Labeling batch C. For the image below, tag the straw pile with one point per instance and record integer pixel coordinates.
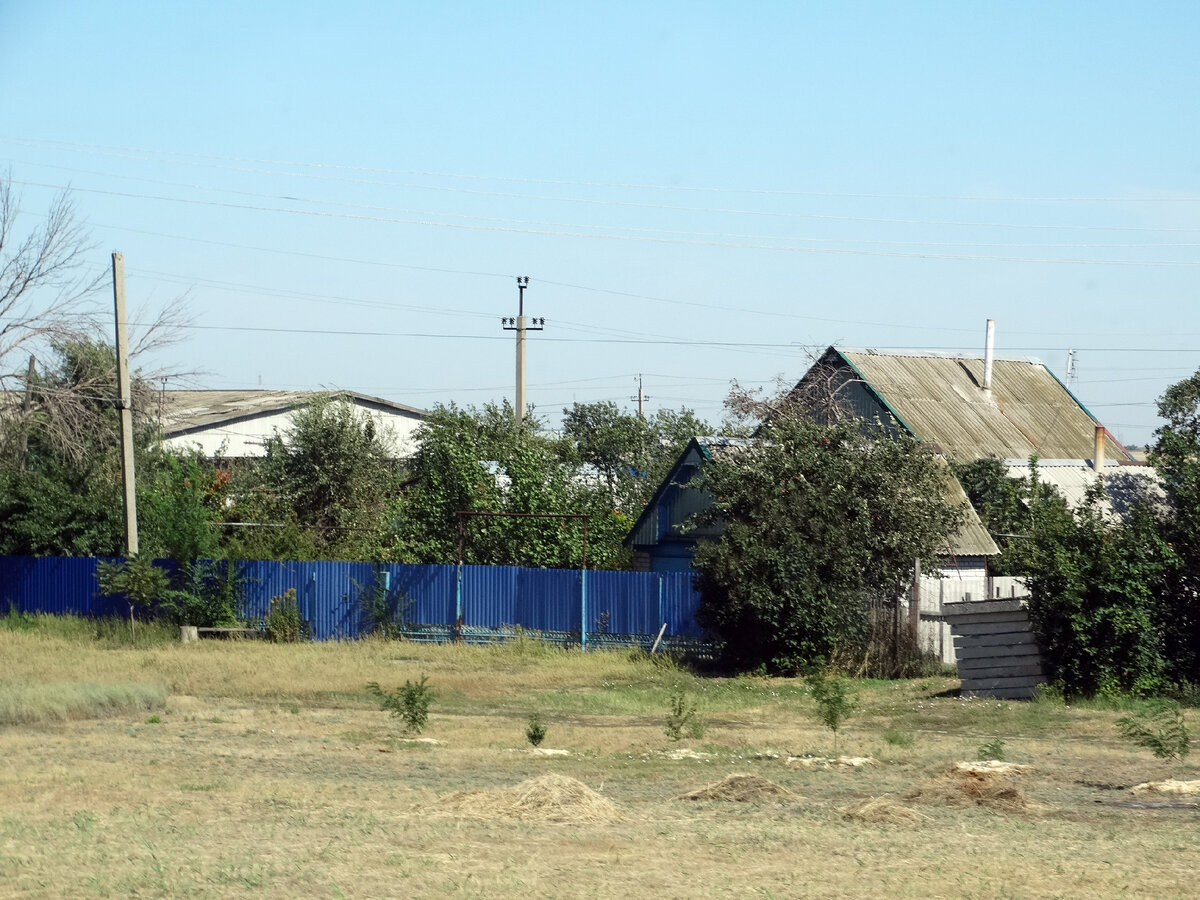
(966, 787)
(741, 789)
(548, 798)
(882, 811)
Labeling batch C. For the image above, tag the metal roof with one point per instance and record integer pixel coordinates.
(186, 411)
(1123, 485)
(681, 502)
(940, 399)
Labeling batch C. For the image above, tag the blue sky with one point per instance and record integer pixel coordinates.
(699, 192)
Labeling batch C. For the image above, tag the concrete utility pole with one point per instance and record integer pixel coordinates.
(641, 398)
(125, 405)
(520, 325)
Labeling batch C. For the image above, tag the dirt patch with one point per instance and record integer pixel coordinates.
(741, 789)
(548, 798)
(967, 787)
(883, 811)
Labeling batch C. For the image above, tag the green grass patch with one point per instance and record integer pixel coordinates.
(31, 704)
(107, 631)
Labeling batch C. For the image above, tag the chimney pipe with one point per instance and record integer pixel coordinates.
(988, 353)
(1098, 450)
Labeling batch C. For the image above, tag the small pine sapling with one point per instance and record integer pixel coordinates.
(409, 703)
(535, 733)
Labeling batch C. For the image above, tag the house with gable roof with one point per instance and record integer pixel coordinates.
(237, 424)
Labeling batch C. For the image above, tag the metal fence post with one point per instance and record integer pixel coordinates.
(583, 609)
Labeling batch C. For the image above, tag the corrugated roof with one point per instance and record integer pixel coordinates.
(1123, 485)
(940, 398)
(972, 538)
(184, 411)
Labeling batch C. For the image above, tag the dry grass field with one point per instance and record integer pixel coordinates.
(226, 769)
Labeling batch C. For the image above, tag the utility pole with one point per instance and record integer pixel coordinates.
(1070, 366)
(641, 398)
(125, 406)
(520, 325)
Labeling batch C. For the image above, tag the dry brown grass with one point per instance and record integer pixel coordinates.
(741, 788)
(883, 811)
(272, 774)
(963, 787)
(547, 798)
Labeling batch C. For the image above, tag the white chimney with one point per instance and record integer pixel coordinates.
(989, 349)
(1098, 450)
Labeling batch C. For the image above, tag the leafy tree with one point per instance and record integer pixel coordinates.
(1096, 596)
(817, 521)
(137, 579)
(631, 454)
(481, 460)
(330, 480)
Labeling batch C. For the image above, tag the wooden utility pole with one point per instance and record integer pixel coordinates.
(125, 406)
(520, 325)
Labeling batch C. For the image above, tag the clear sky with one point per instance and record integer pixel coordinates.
(698, 191)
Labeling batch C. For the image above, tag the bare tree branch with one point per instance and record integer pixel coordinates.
(47, 288)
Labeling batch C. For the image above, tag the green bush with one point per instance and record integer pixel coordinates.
(410, 703)
(283, 622)
(833, 702)
(1160, 728)
(535, 733)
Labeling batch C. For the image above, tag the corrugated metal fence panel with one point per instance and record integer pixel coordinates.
(549, 599)
(489, 596)
(679, 602)
(622, 602)
(427, 593)
(328, 595)
(55, 584)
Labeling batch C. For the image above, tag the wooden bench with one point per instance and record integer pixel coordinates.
(230, 634)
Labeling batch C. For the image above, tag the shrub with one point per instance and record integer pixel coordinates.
(681, 715)
(409, 703)
(993, 749)
(535, 733)
(283, 623)
(1159, 728)
(833, 702)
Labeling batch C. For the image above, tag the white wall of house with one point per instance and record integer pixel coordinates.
(248, 437)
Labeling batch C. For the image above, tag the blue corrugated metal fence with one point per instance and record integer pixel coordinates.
(592, 607)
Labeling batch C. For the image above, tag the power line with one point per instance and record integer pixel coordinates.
(627, 238)
(183, 157)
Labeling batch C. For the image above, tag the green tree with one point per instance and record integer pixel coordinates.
(1096, 596)
(326, 487)
(1176, 456)
(817, 521)
(481, 460)
(632, 455)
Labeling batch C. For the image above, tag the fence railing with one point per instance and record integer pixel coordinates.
(434, 602)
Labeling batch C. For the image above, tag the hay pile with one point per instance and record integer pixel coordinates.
(882, 811)
(978, 787)
(548, 798)
(1170, 786)
(741, 789)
